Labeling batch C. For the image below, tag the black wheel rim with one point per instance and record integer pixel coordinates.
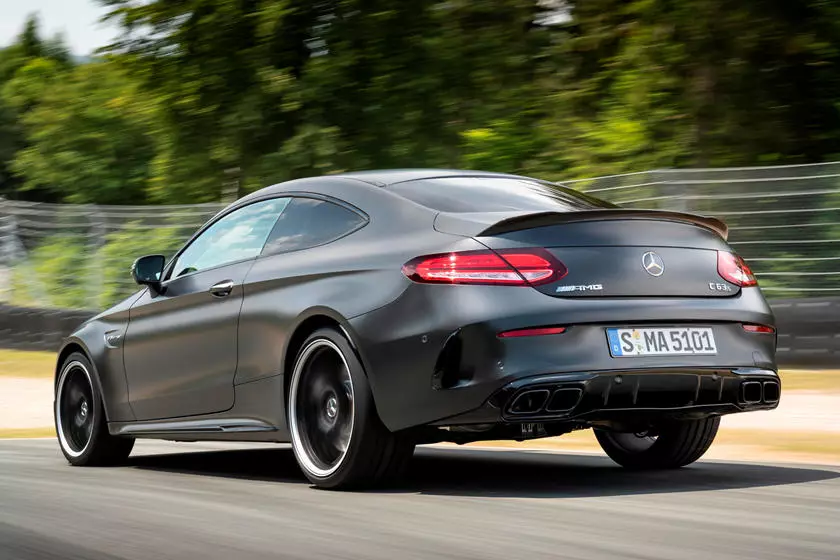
(75, 408)
(323, 408)
(638, 442)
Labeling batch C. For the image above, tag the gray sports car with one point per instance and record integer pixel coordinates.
(359, 315)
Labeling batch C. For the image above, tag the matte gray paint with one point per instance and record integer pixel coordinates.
(180, 364)
(181, 346)
(400, 364)
(260, 402)
(107, 362)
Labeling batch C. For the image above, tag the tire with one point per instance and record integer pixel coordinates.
(80, 423)
(677, 444)
(337, 436)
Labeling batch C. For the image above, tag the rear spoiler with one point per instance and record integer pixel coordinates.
(477, 224)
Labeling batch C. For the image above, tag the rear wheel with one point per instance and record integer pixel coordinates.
(671, 445)
(80, 422)
(338, 439)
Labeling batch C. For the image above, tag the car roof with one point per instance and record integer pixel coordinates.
(386, 177)
(341, 182)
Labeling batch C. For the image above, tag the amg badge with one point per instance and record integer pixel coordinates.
(585, 288)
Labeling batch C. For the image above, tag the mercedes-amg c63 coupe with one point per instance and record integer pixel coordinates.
(356, 316)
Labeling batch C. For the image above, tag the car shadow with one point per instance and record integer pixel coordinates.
(500, 473)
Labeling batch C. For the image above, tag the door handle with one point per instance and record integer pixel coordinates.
(222, 289)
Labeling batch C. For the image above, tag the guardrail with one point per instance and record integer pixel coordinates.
(27, 328)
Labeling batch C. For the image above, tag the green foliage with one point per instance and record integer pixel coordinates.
(112, 261)
(283, 89)
(697, 83)
(89, 137)
(64, 272)
(28, 68)
(30, 38)
(198, 94)
(54, 274)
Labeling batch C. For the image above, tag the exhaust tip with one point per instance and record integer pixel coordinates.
(529, 402)
(751, 392)
(564, 400)
(772, 392)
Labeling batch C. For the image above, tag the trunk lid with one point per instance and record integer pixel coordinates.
(612, 253)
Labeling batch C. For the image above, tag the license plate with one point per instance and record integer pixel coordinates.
(677, 341)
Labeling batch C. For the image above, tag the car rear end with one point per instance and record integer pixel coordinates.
(585, 316)
(688, 331)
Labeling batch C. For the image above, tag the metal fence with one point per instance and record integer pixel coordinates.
(785, 220)
(78, 256)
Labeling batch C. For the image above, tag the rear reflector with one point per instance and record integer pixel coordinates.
(763, 329)
(540, 331)
(511, 267)
(732, 268)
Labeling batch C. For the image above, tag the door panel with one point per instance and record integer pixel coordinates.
(181, 346)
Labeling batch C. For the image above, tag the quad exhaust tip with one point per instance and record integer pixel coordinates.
(564, 400)
(760, 392)
(529, 402)
(557, 401)
(751, 392)
(770, 392)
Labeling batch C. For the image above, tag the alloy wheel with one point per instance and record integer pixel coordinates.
(74, 408)
(321, 408)
(637, 442)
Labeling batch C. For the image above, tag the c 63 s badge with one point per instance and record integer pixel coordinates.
(718, 287)
(581, 288)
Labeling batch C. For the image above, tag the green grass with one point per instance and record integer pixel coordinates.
(19, 363)
(7, 433)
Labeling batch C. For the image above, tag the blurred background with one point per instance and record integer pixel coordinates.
(125, 124)
(123, 135)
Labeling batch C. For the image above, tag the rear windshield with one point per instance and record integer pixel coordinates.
(494, 194)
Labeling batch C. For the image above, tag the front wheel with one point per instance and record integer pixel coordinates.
(80, 422)
(337, 436)
(670, 445)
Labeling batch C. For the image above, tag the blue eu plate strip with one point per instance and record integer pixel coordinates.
(615, 344)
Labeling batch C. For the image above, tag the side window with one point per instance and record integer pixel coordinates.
(239, 235)
(308, 222)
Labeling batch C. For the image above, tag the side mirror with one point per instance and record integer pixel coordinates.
(148, 271)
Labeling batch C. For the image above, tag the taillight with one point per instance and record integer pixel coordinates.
(732, 268)
(509, 267)
(761, 329)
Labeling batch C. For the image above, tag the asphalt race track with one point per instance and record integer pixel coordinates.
(194, 501)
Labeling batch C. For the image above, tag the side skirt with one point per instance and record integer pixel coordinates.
(258, 414)
(210, 429)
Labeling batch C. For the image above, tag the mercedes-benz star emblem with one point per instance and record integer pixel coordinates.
(653, 264)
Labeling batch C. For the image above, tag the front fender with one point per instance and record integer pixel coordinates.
(107, 360)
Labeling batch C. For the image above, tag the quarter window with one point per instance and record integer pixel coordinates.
(309, 222)
(238, 236)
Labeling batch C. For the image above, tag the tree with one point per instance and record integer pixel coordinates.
(696, 83)
(90, 138)
(30, 38)
(285, 88)
(27, 68)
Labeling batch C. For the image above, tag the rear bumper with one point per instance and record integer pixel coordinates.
(628, 397)
(434, 353)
